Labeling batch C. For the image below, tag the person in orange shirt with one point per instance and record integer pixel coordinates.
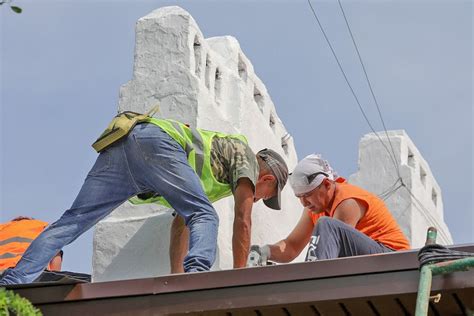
(338, 220)
(16, 236)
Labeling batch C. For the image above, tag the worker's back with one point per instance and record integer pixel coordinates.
(15, 238)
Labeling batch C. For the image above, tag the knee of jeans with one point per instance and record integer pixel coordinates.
(211, 213)
(210, 216)
(214, 217)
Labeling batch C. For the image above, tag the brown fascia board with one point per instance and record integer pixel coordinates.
(344, 278)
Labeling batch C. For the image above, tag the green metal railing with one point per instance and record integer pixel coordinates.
(430, 270)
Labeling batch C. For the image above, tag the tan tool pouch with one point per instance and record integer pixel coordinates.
(120, 126)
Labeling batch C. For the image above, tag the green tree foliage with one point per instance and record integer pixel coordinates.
(14, 8)
(15, 304)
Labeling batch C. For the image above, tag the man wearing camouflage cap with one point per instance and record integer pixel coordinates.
(187, 169)
(234, 163)
(338, 220)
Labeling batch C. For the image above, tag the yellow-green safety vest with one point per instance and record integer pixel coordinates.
(197, 144)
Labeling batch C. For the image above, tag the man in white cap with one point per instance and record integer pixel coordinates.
(338, 220)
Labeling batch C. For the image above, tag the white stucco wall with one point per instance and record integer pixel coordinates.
(414, 211)
(211, 84)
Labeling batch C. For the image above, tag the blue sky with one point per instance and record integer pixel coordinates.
(62, 63)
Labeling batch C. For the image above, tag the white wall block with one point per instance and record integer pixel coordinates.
(416, 206)
(211, 84)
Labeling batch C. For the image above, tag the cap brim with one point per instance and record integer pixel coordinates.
(275, 201)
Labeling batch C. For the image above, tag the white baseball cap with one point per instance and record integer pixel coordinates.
(309, 173)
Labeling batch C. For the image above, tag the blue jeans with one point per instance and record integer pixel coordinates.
(148, 159)
(333, 238)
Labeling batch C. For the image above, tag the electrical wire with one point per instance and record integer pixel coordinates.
(369, 83)
(389, 188)
(382, 120)
(424, 211)
(385, 197)
(350, 86)
(394, 187)
(393, 158)
(416, 203)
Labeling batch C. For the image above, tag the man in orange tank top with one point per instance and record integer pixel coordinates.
(338, 220)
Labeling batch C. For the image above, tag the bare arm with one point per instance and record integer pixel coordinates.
(350, 211)
(243, 197)
(179, 238)
(289, 248)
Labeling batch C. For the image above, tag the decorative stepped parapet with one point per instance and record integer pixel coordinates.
(419, 203)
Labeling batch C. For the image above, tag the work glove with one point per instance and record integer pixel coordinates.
(258, 256)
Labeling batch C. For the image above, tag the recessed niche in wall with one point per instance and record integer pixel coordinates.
(271, 121)
(217, 83)
(242, 69)
(284, 143)
(423, 176)
(434, 197)
(258, 97)
(411, 159)
(208, 73)
(197, 56)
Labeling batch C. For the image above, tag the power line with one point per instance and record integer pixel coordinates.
(393, 155)
(389, 189)
(423, 210)
(368, 81)
(420, 204)
(391, 192)
(350, 86)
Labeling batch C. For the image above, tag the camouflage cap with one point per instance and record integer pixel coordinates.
(279, 169)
